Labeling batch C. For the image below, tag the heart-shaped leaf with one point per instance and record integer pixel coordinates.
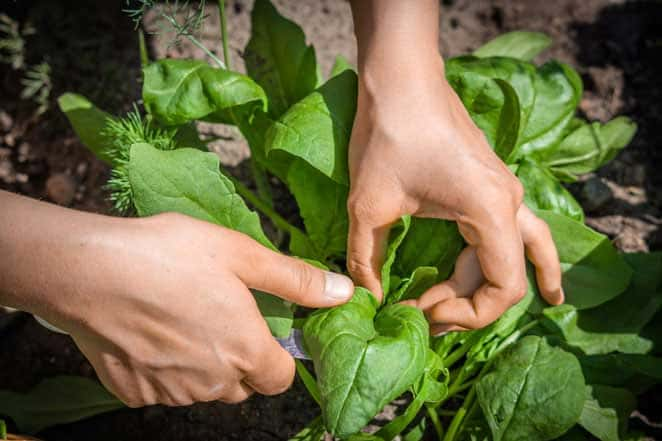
(364, 358)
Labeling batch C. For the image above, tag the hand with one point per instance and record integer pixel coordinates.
(160, 306)
(415, 150)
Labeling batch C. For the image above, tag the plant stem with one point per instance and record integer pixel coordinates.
(193, 40)
(459, 416)
(263, 207)
(224, 32)
(434, 417)
(144, 56)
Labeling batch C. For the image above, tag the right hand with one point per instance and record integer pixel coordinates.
(162, 309)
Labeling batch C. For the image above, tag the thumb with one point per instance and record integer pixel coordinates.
(292, 279)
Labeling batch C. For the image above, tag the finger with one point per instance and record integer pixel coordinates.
(290, 278)
(365, 253)
(541, 251)
(440, 330)
(499, 250)
(465, 280)
(272, 368)
(236, 394)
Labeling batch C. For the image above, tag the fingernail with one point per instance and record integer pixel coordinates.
(440, 334)
(562, 296)
(337, 286)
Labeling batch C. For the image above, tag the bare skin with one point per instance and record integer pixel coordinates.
(160, 305)
(415, 150)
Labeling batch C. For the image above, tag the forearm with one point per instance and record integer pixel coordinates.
(47, 253)
(395, 34)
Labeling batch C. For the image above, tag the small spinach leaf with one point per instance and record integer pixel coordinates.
(278, 314)
(593, 272)
(88, 122)
(588, 147)
(606, 410)
(543, 192)
(57, 400)
(517, 44)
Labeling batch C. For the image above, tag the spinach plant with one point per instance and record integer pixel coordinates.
(537, 373)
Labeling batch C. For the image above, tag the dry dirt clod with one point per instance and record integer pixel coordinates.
(595, 194)
(6, 121)
(61, 189)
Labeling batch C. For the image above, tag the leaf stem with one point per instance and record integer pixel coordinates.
(144, 56)
(263, 207)
(434, 417)
(224, 32)
(456, 422)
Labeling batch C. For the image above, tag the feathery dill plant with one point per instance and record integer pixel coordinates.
(174, 16)
(124, 132)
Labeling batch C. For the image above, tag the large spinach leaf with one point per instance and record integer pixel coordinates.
(190, 182)
(179, 91)
(364, 358)
(317, 128)
(534, 392)
(278, 59)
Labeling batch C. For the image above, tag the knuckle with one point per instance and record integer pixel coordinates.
(361, 207)
(517, 289)
(304, 276)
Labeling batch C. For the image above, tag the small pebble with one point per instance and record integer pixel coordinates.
(61, 189)
(595, 194)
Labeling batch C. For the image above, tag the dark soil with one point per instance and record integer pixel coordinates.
(92, 49)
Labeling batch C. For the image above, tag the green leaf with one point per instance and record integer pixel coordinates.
(533, 392)
(340, 65)
(632, 310)
(3, 429)
(308, 381)
(427, 390)
(87, 121)
(314, 431)
(558, 89)
(634, 371)
(179, 91)
(593, 272)
(588, 146)
(323, 206)
(189, 182)
(57, 400)
(509, 121)
(429, 242)
(364, 358)
(422, 279)
(278, 58)
(564, 319)
(542, 191)
(317, 128)
(606, 411)
(396, 236)
(517, 44)
(548, 97)
(278, 314)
